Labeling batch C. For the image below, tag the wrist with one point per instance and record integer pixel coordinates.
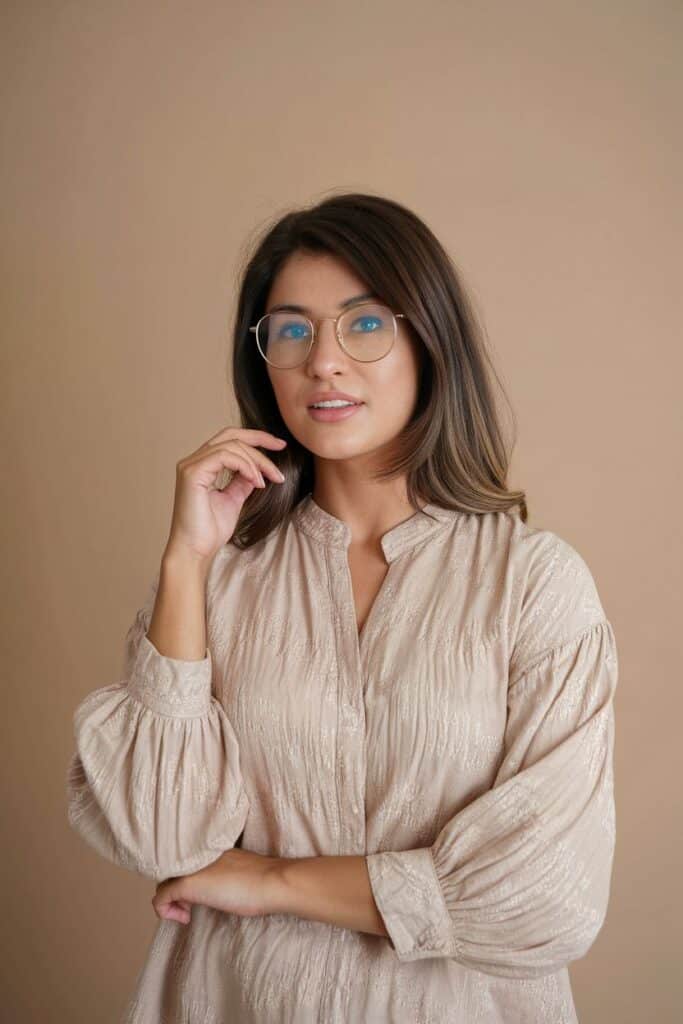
(182, 561)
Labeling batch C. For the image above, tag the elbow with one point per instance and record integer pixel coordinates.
(89, 821)
(169, 852)
(537, 955)
(546, 927)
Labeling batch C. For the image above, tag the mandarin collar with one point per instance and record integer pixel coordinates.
(315, 521)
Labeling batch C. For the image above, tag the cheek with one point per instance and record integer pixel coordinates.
(395, 386)
(287, 396)
(395, 399)
(283, 391)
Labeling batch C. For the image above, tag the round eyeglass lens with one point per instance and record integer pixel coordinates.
(367, 331)
(284, 338)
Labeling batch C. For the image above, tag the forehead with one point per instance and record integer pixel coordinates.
(316, 281)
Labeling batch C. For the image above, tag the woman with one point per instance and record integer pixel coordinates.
(364, 737)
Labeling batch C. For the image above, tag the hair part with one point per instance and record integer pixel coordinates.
(453, 451)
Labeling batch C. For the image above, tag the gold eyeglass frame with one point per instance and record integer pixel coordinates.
(337, 332)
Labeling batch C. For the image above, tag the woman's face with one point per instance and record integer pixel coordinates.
(387, 387)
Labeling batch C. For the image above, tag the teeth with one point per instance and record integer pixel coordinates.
(333, 403)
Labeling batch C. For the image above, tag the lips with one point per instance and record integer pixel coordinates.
(331, 396)
(334, 414)
(314, 405)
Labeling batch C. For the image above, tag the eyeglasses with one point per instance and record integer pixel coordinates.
(366, 332)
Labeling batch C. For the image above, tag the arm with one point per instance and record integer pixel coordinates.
(497, 890)
(517, 883)
(154, 784)
(177, 627)
(334, 890)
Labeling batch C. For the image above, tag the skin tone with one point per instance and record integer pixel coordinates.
(345, 452)
(333, 890)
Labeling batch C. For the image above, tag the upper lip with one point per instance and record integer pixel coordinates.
(323, 396)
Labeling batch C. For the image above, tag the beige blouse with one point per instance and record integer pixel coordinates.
(463, 744)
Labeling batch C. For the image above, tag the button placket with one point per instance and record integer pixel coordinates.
(351, 759)
(352, 650)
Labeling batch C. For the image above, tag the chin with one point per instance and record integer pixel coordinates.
(336, 449)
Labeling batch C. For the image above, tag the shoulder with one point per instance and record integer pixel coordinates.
(232, 564)
(537, 562)
(551, 562)
(556, 596)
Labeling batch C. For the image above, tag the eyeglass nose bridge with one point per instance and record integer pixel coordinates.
(336, 320)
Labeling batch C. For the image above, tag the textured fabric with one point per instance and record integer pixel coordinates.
(463, 744)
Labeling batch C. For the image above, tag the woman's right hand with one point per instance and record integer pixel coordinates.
(204, 518)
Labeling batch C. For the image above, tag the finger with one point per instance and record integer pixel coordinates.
(248, 453)
(261, 461)
(251, 470)
(171, 912)
(238, 459)
(250, 435)
(255, 458)
(168, 908)
(224, 456)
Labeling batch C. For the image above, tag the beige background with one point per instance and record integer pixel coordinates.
(143, 144)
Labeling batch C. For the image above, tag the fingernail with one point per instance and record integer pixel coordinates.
(281, 474)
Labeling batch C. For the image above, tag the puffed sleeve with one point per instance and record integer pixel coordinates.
(154, 783)
(517, 883)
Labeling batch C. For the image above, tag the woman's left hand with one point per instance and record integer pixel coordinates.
(238, 882)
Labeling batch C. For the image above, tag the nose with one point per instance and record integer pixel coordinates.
(326, 353)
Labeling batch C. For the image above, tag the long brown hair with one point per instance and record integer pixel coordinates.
(452, 451)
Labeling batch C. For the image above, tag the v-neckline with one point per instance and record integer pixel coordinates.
(372, 611)
(335, 535)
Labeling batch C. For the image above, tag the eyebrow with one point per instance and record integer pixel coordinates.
(291, 308)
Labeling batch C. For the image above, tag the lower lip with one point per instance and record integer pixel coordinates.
(332, 415)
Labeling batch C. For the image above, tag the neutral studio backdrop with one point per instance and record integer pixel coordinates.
(143, 147)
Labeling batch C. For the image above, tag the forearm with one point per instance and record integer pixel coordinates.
(178, 624)
(334, 890)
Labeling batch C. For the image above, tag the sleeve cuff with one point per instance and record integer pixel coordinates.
(409, 897)
(170, 686)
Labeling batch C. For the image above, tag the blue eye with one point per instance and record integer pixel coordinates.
(298, 330)
(370, 323)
